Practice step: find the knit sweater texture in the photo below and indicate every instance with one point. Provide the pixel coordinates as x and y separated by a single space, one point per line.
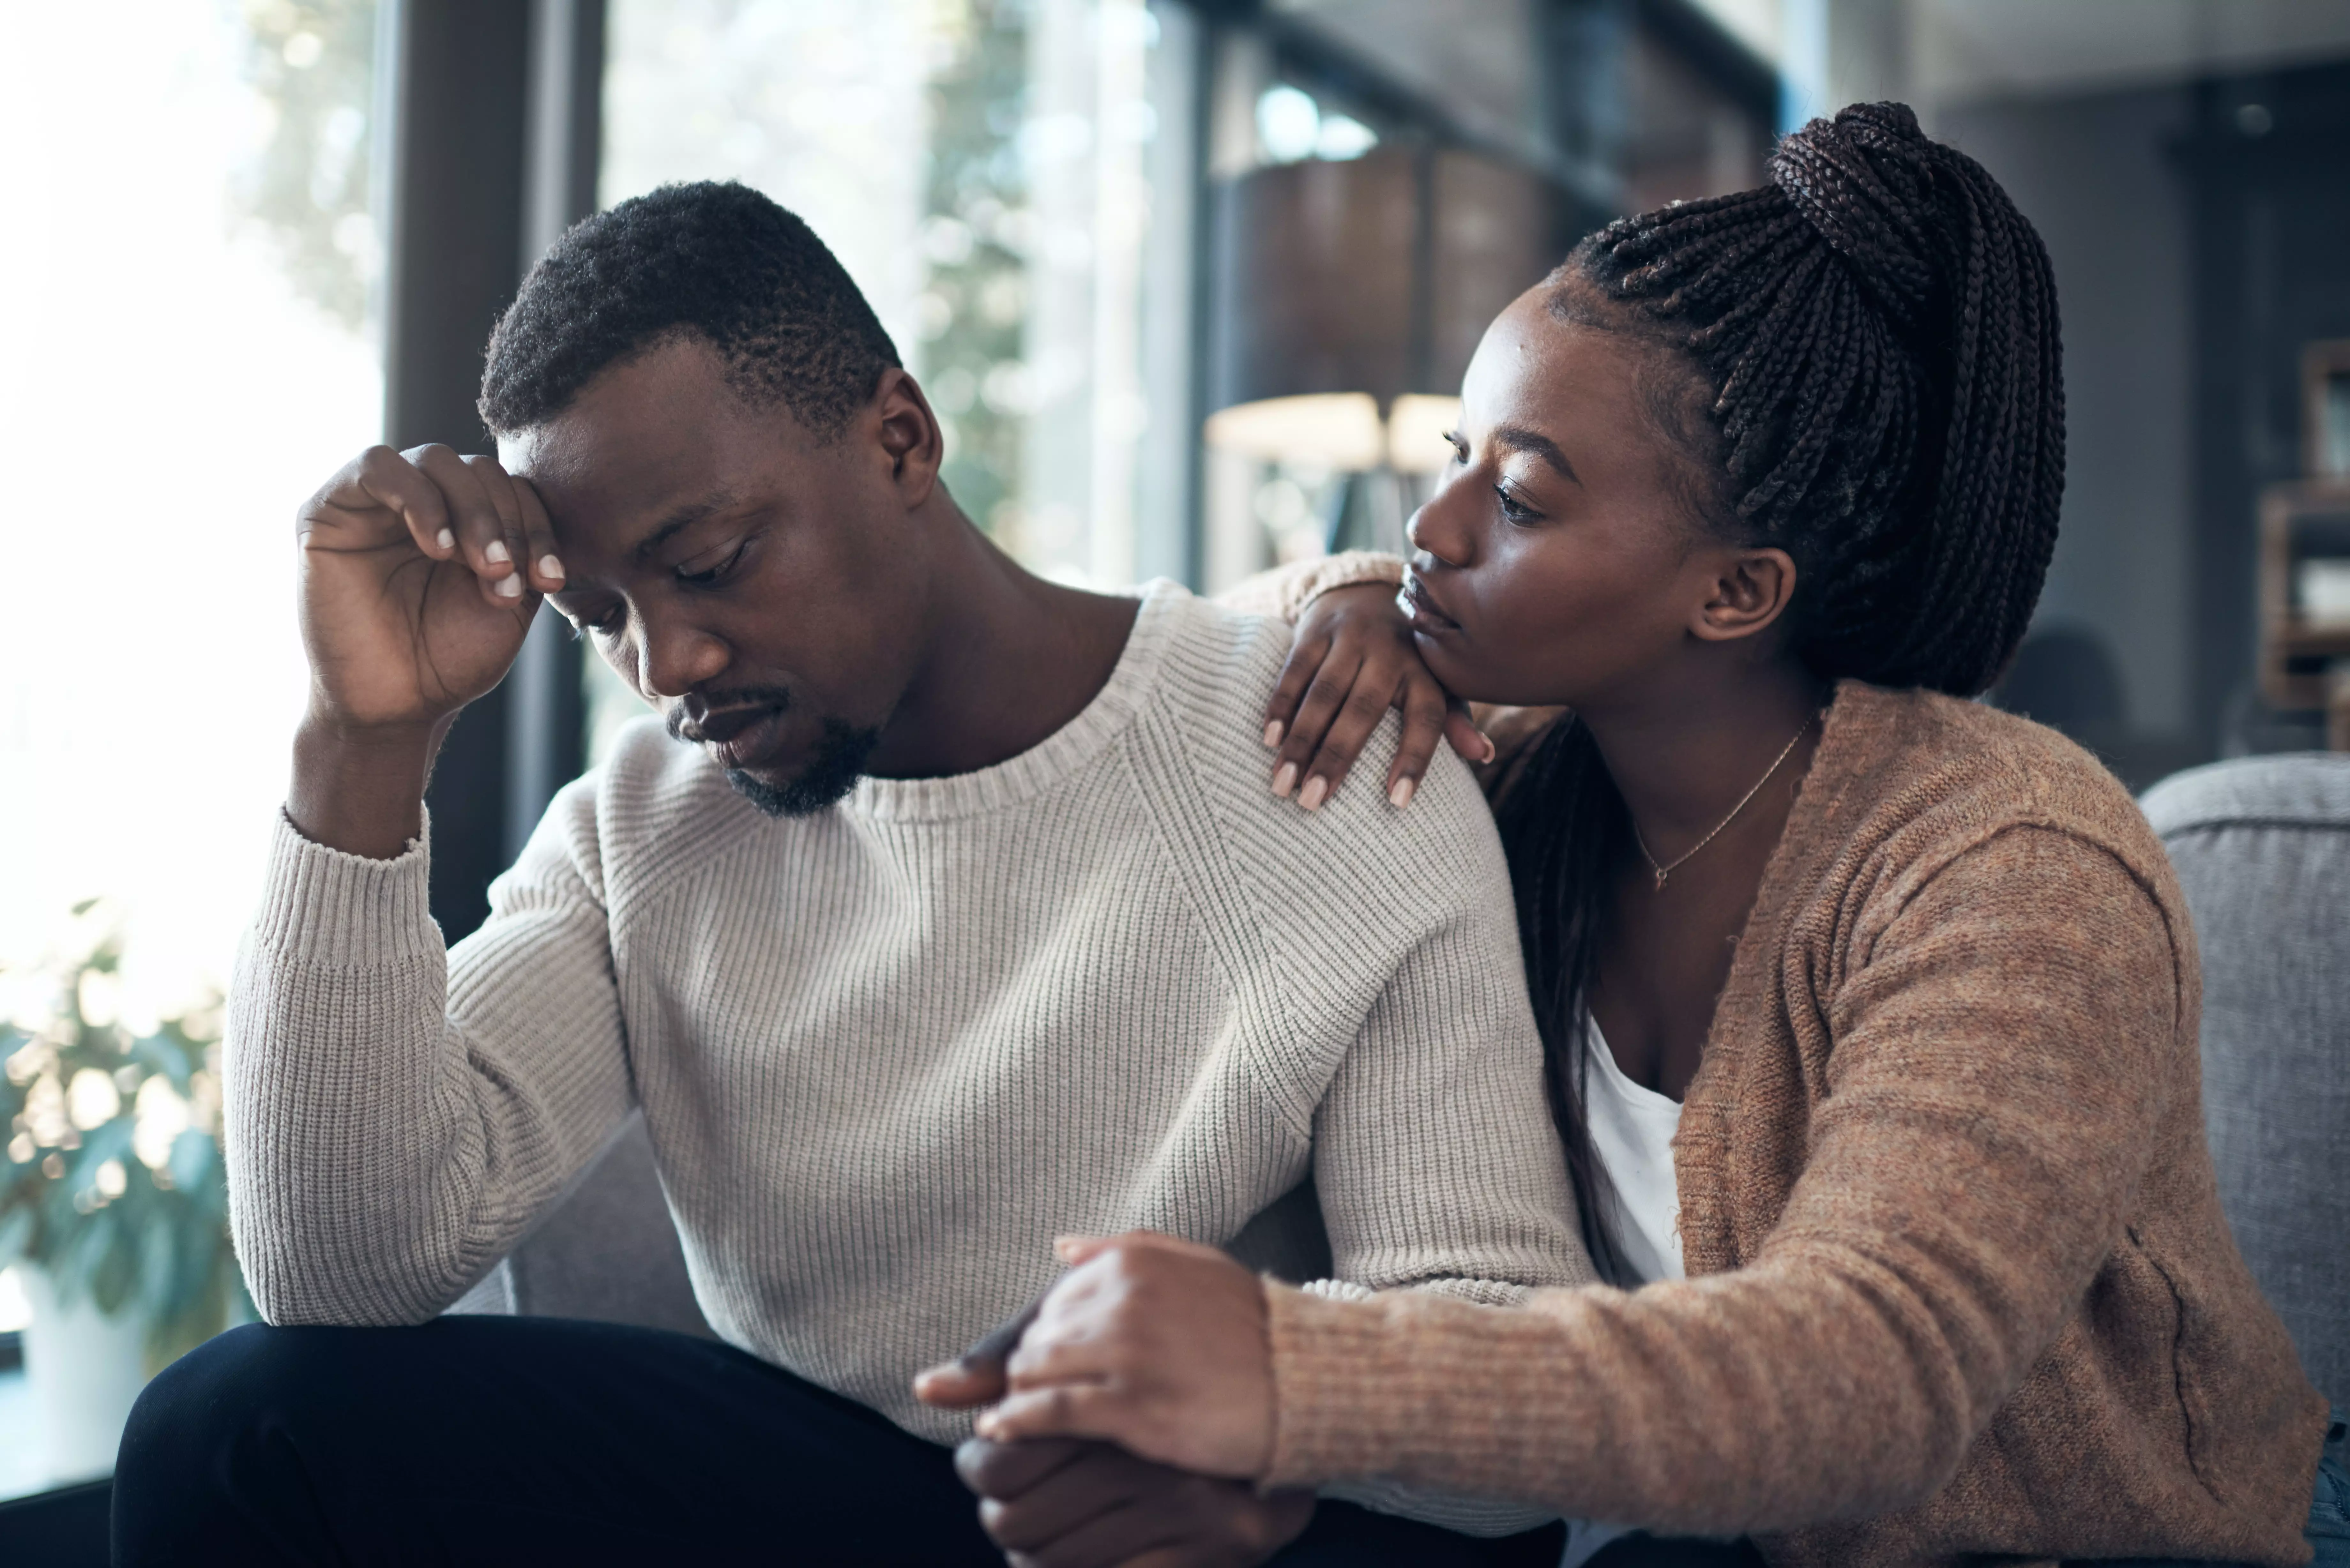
887 1052
1960 1289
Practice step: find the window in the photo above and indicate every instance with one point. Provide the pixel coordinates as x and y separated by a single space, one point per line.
1009 183
185 295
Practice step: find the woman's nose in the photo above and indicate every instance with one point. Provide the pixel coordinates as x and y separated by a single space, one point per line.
1436 532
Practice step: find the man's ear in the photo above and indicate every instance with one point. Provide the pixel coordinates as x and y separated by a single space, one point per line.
1750 590
910 434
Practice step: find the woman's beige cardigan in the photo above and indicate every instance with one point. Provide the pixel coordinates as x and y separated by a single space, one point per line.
1958 1287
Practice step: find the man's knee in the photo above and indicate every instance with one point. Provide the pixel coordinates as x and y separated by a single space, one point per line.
221 1388
229 1454
191 1400
175 1492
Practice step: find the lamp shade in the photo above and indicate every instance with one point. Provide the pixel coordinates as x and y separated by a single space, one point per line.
1333 430
1374 275
1313 280
1416 424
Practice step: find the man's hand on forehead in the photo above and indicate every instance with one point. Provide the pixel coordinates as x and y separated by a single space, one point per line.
421 573
495 525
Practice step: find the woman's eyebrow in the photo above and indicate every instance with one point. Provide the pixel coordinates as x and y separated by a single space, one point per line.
1517 438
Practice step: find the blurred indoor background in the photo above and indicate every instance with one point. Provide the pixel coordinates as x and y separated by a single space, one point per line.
1189 284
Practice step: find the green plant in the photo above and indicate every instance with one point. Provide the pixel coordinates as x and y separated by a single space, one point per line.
114 1185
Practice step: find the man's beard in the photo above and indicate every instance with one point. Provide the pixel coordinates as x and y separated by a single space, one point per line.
830 774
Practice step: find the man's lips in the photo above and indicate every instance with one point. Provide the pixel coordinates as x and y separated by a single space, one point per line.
1426 615
738 737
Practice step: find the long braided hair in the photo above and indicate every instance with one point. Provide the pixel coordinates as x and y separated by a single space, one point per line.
1878 327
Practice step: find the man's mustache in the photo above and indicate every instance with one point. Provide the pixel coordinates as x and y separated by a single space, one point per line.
701 705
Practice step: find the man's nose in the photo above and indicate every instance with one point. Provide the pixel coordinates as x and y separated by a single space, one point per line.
674 656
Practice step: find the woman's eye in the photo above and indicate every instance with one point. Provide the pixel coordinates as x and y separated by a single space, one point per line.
1513 509
712 576
608 623
1460 448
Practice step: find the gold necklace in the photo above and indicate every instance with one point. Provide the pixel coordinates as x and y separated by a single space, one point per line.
1664 871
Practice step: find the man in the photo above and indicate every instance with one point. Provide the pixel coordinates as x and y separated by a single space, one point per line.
961 917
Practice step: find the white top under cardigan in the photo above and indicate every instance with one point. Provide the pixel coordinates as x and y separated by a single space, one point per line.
1632 1133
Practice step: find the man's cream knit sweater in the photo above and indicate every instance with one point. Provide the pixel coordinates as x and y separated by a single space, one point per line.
887 1052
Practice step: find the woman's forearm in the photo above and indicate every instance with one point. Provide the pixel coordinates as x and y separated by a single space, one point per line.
1673 1410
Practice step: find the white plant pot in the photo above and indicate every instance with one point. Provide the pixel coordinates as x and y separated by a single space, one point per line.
84 1371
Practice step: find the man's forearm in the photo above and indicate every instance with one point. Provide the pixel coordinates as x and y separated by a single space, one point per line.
361 791
383 1152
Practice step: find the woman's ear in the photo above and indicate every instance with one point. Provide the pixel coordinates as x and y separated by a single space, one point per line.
1750 589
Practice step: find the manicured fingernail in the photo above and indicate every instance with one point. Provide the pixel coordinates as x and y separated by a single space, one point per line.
1317 791
446 540
509 587
1284 778
548 566
1491 750
1401 796
1273 732
494 552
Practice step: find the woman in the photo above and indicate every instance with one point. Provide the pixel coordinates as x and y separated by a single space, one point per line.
1871 1012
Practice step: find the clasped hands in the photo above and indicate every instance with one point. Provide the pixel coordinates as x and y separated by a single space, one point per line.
1131 1413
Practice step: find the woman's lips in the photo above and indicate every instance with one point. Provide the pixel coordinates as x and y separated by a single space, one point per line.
1426 618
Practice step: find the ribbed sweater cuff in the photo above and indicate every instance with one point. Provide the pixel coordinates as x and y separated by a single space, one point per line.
1347 570
320 905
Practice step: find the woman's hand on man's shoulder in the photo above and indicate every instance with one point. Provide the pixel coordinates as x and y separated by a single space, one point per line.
1351 660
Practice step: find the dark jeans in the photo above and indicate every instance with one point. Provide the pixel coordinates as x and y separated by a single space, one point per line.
504 1440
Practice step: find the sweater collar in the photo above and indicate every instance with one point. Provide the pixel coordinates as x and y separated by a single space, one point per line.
1060 754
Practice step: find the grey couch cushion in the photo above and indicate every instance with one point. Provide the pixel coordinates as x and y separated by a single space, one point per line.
605 1249
2262 850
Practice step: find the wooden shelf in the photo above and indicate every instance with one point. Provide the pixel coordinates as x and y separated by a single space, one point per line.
2297 640
2295 655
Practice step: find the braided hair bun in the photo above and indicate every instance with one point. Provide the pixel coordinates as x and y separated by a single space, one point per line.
1878 325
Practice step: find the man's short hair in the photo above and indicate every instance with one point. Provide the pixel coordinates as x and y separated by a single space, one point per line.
717 262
